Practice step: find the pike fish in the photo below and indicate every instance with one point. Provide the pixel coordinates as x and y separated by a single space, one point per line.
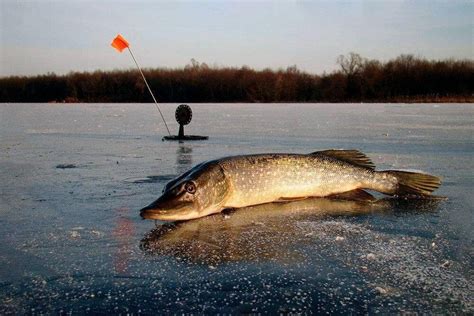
240 181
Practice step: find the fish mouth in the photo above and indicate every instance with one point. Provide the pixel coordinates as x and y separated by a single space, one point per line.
150 213
184 212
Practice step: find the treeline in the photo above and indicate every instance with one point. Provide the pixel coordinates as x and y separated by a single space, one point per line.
403 79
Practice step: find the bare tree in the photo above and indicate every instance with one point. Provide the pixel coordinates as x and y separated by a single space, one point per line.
352 64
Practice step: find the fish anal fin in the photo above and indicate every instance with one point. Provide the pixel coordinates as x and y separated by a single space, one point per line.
354 195
351 156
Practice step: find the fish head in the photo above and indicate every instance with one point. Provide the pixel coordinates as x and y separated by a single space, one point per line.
198 194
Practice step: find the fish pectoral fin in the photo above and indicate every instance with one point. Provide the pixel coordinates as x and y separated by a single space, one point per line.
291 199
352 156
354 195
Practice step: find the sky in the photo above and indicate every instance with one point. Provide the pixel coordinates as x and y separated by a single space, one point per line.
39 37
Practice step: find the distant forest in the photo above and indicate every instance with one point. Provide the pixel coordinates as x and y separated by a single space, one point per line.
404 79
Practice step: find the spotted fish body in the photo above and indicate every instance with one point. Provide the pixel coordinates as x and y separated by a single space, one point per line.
240 181
261 179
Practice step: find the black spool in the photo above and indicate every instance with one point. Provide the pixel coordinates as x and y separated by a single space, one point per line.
183 115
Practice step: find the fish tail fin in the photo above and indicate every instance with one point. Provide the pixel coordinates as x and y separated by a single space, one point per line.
414 183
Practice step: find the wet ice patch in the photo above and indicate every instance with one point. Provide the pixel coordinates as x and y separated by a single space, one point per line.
66 166
151 179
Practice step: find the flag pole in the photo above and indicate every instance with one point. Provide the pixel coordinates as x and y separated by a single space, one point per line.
149 89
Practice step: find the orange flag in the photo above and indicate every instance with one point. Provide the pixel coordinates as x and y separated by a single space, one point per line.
119 43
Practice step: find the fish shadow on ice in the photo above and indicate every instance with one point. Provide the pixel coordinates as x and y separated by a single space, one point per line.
266 232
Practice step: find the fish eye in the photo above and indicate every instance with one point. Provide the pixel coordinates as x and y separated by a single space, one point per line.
190 187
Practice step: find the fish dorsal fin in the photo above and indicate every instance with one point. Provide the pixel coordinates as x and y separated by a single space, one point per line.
353 156
354 195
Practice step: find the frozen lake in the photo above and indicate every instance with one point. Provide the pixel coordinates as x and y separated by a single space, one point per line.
73 241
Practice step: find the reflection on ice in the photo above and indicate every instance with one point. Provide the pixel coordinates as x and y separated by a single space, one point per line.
184 158
122 234
326 239
272 231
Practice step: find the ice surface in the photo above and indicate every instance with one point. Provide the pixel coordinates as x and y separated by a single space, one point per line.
72 239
